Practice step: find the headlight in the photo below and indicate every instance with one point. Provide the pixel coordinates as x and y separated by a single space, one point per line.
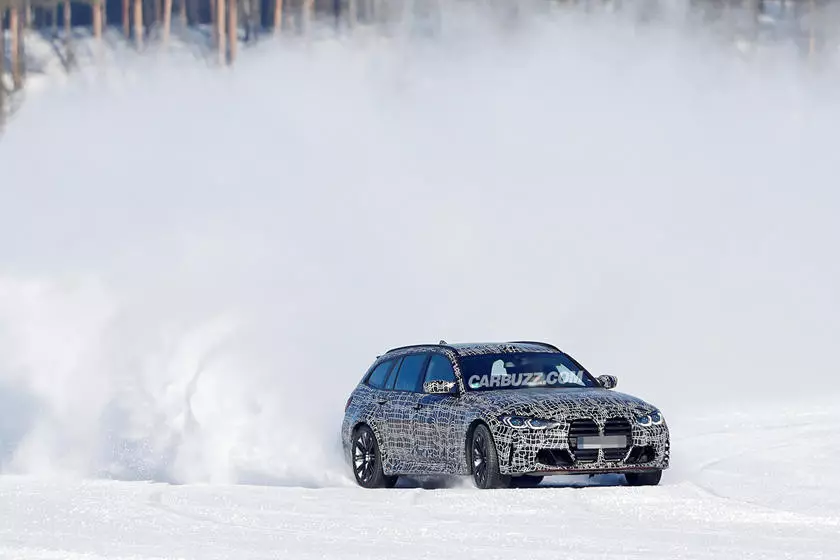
652 419
523 423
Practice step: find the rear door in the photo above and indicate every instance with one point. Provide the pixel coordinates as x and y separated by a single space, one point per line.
403 392
435 417
377 380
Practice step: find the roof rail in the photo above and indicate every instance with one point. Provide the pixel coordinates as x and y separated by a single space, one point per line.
536 343
421 346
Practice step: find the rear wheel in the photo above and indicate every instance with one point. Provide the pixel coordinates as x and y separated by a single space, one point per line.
485 460
526 481
650 478
367 461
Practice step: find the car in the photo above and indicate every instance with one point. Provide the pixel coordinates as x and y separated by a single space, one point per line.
506 414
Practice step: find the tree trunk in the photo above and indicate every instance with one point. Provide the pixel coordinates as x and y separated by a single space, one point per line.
352 13
254 19
138 24
21 47
2 70
14 45
54 21
97 19
233 27
68 22
158 11
2 63
220 31
167 20
214 23
126 18
182 12
278 16
308 14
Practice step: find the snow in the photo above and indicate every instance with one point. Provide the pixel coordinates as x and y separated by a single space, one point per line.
197 265
760 488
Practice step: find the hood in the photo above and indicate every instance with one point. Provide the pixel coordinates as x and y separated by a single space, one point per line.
545 402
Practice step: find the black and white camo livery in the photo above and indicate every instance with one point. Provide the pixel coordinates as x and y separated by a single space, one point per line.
427 430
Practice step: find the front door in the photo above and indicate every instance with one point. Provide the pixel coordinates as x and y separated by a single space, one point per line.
435 420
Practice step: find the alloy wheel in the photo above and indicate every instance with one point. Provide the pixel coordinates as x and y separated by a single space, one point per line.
479 457
364 456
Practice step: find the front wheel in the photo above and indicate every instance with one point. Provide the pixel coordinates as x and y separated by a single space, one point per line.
485 460
367 461
650 478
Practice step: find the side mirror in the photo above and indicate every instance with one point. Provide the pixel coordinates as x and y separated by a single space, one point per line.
608 381
439 387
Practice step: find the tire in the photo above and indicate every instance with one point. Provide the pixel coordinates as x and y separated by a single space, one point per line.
366 460
526 481
650 478
484 460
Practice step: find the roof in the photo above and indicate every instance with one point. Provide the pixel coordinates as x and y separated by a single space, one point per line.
478 348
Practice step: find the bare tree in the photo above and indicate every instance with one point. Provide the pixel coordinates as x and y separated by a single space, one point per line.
2 63
253 16
167 20
308 14
68 22
214 23
97 18
14 45
233 27
351 13
126 18
220 31
138 24
278 17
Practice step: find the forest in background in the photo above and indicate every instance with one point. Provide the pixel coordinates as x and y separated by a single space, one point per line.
221 26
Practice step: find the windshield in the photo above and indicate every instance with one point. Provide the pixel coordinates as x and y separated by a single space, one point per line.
523 370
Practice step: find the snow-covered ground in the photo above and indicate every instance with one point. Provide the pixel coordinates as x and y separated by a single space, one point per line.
197 264
750 485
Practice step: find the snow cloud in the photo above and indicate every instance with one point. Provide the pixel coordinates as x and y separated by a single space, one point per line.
198 265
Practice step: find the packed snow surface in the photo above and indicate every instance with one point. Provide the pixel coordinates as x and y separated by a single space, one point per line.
744 486
198 264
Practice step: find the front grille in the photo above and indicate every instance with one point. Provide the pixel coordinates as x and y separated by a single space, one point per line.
581 428
618 427
587 427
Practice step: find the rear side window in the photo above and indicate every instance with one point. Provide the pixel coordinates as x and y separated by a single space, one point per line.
440 369
389 385
408 378
380 374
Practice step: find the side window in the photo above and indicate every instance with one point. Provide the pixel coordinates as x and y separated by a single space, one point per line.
394 372
411 371
380 374
440 369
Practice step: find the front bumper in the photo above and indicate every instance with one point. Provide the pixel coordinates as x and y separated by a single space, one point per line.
553 452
